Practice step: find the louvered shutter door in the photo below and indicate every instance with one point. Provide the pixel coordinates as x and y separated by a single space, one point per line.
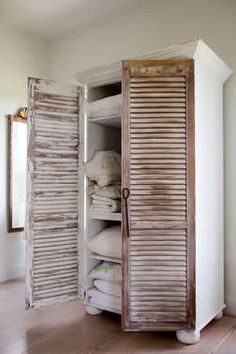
158 169
52 193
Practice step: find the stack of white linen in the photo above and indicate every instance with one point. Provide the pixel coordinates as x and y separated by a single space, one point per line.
105 199
104 173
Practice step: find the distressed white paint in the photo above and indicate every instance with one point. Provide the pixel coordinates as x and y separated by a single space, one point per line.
52 204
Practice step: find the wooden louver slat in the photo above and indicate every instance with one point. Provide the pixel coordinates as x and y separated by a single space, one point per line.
157 157
52 197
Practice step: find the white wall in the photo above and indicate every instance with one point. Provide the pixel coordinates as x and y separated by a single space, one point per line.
21 56
158 24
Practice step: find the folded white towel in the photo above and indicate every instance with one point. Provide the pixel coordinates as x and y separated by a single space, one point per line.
104 204
112 191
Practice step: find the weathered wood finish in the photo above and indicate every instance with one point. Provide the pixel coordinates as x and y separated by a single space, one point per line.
158 168
52 193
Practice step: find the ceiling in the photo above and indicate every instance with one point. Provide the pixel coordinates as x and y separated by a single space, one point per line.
51 18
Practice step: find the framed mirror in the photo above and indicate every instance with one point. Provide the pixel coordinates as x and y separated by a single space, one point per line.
17 159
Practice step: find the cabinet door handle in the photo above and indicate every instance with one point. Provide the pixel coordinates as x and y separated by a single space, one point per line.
125 196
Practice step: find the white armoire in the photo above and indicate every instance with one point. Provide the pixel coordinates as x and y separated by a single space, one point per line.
170 136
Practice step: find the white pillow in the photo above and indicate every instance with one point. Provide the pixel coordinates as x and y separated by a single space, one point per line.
108 271
104 300
104 168
108 287
108 242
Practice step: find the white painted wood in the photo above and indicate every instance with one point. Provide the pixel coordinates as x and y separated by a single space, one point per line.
206 55
106 216
52 195
191 49
209 76
81 199
95 137
188 337
219 316
109 121
99 76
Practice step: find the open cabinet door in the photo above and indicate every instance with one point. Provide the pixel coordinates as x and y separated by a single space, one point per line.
52 270
158 206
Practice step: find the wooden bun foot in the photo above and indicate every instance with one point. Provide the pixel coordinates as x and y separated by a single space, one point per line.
188 337
90 310
219 316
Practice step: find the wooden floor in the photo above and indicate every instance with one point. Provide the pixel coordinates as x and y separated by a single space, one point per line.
66 329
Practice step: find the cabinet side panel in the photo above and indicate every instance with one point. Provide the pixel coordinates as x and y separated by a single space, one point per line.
209 193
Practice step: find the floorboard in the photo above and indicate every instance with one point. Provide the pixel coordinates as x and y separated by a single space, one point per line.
66 329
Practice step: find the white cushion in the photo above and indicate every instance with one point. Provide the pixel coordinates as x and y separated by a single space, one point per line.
104 300
108 287
104 168
108 242
108 271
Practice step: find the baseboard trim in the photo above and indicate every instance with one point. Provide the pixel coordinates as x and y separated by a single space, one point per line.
5 282
230 306
12 273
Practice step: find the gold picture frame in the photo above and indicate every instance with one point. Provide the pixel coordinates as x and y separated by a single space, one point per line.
17 155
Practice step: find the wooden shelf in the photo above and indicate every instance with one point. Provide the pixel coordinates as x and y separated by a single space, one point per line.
104 308
104 258
106 216
113 121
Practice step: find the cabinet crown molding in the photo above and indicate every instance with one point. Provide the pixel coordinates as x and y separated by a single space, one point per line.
195 49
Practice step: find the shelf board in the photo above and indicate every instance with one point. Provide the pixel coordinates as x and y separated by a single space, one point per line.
104 258
109 121
106 216
104 308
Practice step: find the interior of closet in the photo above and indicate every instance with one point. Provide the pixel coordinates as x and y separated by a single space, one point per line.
102 132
